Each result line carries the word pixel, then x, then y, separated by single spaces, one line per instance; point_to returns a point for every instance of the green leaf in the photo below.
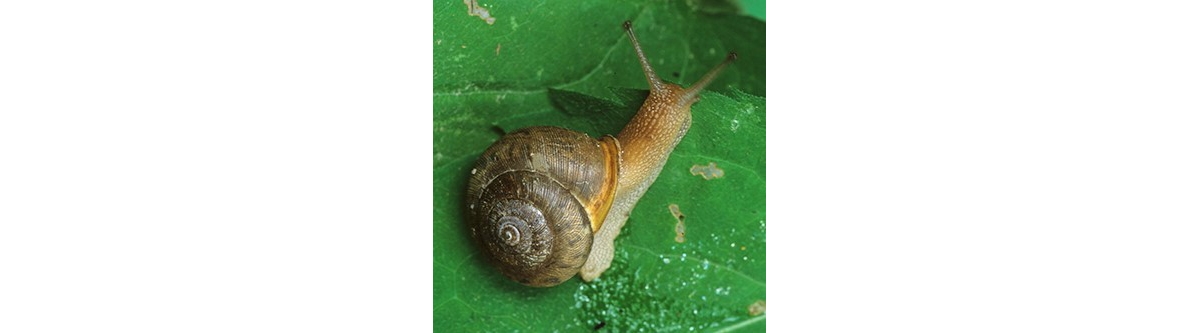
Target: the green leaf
pixel 570 64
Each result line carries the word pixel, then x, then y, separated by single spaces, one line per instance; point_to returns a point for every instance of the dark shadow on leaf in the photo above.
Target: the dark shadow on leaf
pixel 498 130
pixel 630 98
pixel 605 116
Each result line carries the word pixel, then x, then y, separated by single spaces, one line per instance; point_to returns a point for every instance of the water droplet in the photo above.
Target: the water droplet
pixel 666 260
pixel 705 265
pixel 723 291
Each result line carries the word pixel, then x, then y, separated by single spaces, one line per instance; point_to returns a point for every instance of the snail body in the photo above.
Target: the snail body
pixel 546 203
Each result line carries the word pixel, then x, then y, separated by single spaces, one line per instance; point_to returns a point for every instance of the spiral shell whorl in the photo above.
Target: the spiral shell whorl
pixel 536 196
pixel 519 233
pixel 533 228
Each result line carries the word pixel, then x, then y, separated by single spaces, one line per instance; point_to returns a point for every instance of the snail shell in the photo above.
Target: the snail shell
pixel 537 196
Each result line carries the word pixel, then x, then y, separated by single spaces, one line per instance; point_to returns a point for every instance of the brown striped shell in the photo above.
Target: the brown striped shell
pixel 536 196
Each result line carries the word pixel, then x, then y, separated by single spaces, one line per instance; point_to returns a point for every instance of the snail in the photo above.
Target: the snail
pixel 546 203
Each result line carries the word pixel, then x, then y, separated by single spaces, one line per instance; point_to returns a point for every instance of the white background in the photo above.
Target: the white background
pixel 935 166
